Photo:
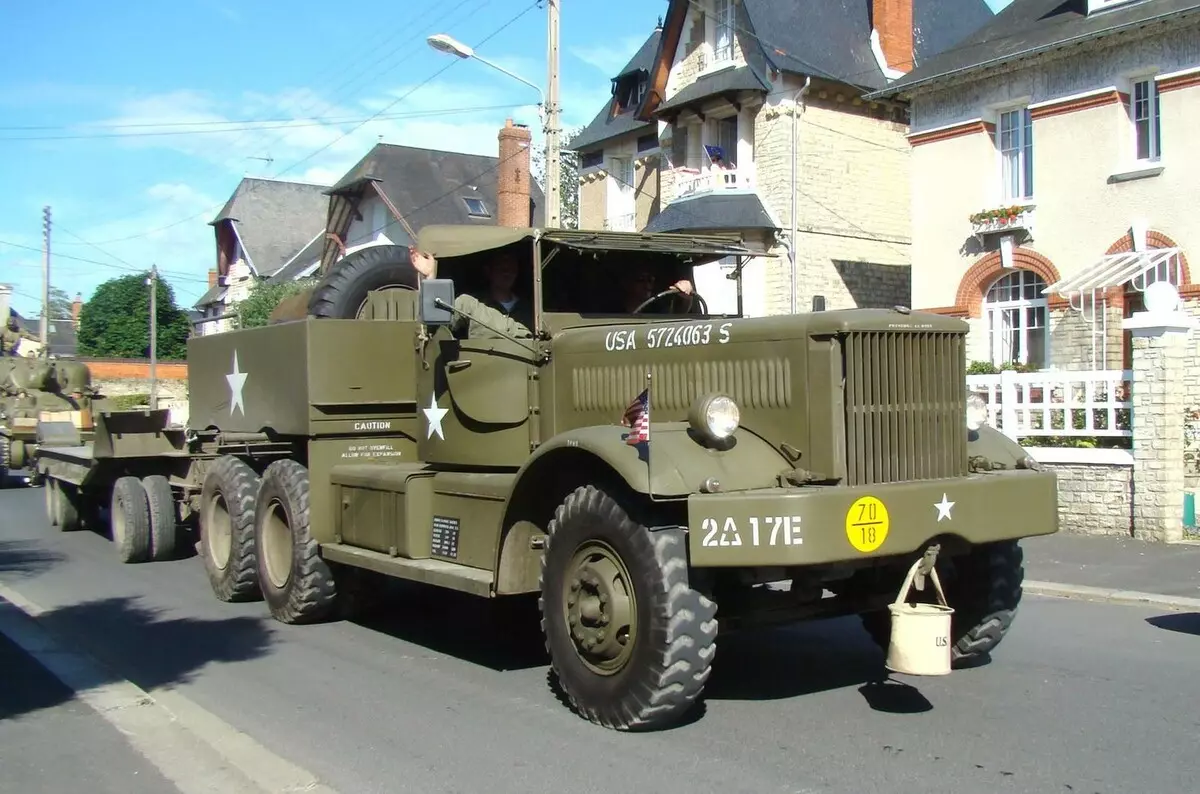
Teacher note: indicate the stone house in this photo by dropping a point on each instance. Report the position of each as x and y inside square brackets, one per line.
[1053, 180]
[264, 225]
[393, 191]
[764, 128]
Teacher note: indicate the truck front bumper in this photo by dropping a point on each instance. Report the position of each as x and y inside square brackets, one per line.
[814, 525]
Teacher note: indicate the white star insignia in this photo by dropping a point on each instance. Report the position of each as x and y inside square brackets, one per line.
[943, 508]
[434, 415]
[236, 381]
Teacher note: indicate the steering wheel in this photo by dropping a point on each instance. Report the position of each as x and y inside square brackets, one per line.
[695, 296]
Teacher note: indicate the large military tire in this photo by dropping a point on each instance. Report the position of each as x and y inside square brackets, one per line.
[164, 521]
[131, 520]
[604, 576]
[297, 584]
[5, 460]
[227, 530]
[66, 506]
[984, 587]
[342, 293]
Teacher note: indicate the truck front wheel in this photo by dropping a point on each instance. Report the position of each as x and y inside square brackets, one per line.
[984, 587]
[227, 529]
[296, 583]
[630, 643]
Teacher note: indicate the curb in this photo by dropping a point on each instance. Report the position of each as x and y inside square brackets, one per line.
[1111, 595]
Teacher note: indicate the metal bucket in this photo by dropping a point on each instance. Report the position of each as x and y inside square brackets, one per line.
[920, 641]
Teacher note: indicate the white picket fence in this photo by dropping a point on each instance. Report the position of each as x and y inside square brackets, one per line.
[1032, 404]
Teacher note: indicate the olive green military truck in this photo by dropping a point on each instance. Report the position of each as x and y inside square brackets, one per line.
[653, 473]
[34, 392]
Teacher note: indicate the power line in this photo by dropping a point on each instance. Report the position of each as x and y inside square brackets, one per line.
[343, 135]
[284, 124]
[97, 262]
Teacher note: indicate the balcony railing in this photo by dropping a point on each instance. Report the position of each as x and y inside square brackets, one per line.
[691, 182]
[621, 223]
[1003, 219]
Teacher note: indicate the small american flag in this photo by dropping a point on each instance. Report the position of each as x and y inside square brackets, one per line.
[637, 419]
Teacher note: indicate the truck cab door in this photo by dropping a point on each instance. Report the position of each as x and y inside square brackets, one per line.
[473, 401]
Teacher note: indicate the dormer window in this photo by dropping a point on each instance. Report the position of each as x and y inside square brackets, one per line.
[476, 208]
[628, 90]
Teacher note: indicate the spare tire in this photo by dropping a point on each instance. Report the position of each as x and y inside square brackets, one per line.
[342, 293]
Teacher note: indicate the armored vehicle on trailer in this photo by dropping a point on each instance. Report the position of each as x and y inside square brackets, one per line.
[652, 472]
[36, 389]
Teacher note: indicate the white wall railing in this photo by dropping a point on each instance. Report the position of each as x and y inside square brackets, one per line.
[690, 181]
[1046, 404]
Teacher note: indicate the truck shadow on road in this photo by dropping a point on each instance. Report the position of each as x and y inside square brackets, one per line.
[134, 643]
[805, 659]
[761, 664]
[1182, 622]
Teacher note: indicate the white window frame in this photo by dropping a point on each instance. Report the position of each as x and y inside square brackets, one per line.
[1154, 127]
[1024, 151]
[622, 195]
[996, 312]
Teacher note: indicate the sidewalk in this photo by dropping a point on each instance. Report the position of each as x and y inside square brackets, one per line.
[50, 741]
[1120, 569]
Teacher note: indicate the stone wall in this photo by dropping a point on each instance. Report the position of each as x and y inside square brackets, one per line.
[1095, 489]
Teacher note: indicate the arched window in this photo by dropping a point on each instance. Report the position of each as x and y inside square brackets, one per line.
[1016, 314]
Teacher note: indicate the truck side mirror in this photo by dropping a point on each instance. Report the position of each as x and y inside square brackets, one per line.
[437, 298]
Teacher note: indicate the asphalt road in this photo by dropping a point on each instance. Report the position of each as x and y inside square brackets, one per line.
[1081, 697]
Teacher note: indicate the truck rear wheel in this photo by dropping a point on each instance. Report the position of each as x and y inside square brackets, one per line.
[131, 520]
[163, 518]
[984, 587]
[5, 460]
[227, 530]
[297, 584]
[342, 293]
[630, 642]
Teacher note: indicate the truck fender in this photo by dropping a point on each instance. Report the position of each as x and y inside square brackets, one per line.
[672, 466]
[988, 442]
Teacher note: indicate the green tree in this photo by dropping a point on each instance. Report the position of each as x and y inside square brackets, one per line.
[255, 309]
[568, 172]
[60, 305]
[115, 321]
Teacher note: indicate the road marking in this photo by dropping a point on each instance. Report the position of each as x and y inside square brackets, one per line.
[196, 750]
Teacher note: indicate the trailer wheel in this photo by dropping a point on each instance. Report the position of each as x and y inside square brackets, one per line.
[227, 530]
[50, 497]
[342, 293]
[131, 520]
[163, 518]
[66, 506]
[297, 584]
[630, 642]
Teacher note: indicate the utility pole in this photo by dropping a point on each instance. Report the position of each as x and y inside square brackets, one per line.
[153, 282]
[553, 159]
[45, 325]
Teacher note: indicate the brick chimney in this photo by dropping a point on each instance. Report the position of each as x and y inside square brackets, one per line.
[893, 21]
[512, 181]
[76, 308]
[212, 279]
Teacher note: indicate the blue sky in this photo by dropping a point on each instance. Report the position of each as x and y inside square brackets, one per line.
[107, 79]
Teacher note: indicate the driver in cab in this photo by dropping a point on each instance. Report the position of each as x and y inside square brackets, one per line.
[638, 285]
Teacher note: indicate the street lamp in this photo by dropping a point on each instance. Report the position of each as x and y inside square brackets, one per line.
[548, 113]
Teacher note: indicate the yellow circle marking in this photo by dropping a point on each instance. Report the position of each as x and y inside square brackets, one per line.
[867, 524]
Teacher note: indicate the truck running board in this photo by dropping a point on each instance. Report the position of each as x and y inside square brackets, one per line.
[475, 581]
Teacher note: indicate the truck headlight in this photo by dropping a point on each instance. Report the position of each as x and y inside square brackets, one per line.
[715, 417]
[977, 412]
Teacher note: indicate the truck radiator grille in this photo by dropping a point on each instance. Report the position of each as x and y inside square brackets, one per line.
[905, 406]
